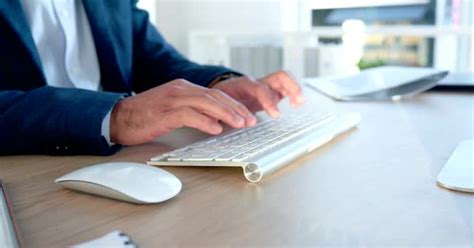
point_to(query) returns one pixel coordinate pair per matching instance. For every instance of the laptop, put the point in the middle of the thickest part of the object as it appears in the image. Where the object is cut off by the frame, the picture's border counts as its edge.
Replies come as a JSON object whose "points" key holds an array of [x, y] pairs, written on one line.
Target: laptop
{"points": [[380, 83]]}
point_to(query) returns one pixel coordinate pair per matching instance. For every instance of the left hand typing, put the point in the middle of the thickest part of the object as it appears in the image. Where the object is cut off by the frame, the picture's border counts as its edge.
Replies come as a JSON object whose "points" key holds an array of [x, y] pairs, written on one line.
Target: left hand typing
{"points": [[264, 93]]}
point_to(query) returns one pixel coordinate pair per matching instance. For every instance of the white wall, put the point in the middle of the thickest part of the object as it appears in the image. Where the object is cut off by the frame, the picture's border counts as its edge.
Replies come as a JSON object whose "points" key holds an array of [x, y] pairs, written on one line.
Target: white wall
{"points": [[177, 18]]}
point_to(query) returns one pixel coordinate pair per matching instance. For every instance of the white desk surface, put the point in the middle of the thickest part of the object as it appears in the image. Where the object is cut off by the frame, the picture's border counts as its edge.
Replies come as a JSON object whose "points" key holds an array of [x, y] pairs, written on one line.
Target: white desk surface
{"points": [[375, 186]]}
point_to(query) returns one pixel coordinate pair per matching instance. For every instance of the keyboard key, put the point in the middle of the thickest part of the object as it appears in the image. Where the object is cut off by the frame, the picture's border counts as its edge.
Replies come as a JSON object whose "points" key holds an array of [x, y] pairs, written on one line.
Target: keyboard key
{"points": [[242, 144]]}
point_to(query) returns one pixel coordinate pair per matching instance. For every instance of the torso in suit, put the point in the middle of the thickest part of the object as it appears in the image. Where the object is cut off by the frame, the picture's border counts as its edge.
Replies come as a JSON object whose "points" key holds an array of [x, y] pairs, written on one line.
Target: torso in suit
{"points": [[132, 55]]}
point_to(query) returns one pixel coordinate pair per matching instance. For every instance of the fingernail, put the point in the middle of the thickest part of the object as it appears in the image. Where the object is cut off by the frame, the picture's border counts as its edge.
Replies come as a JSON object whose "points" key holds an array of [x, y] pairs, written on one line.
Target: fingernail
{"points": [[274, 113], [216, 128], [239, 121], [251, 120], [300, 99]]}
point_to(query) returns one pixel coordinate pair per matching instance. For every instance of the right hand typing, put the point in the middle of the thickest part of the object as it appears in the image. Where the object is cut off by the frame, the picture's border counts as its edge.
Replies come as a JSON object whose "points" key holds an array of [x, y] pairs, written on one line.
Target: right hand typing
{"points": [[141, 118]]}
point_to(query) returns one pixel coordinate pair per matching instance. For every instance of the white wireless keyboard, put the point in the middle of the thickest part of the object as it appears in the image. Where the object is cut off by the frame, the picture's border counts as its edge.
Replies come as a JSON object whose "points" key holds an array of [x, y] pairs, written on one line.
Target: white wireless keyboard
{"points": [[264, 148]]}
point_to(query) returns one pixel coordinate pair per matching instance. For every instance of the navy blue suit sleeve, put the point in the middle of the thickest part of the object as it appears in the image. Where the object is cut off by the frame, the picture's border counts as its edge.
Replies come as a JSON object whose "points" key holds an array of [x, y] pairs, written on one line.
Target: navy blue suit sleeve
{"points": [[55, 121], [157, 62]]}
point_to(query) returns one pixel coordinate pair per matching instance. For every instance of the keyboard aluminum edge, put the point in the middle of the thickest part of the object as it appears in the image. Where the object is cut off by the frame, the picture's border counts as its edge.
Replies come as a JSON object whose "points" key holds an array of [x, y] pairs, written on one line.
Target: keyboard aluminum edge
{"points": [[274, 159]]}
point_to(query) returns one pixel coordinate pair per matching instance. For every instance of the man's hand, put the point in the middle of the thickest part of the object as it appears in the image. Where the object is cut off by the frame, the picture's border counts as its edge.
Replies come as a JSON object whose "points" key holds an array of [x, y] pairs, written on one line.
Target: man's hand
{"points": [[143, 117], [264, 93]]}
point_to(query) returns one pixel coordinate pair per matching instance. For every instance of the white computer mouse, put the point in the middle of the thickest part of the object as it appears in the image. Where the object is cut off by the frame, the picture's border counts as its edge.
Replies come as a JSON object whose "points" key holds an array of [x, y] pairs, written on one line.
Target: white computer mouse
{"points": [[126, 181]]}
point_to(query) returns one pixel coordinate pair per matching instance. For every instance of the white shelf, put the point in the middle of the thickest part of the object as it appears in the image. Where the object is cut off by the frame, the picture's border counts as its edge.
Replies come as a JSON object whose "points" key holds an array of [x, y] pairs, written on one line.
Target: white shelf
{"points": [[335, 32], [400, 30], [335, 4]]}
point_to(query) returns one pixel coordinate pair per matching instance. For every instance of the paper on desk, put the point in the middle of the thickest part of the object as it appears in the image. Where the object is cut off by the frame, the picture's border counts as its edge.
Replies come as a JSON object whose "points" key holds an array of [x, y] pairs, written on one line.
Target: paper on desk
{"points": [[114, 239], [7, 233]]}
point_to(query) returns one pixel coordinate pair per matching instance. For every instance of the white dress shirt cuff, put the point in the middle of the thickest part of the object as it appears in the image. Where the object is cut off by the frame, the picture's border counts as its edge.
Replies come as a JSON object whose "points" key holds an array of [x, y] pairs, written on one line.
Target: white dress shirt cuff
{"points": [[106, 128]]}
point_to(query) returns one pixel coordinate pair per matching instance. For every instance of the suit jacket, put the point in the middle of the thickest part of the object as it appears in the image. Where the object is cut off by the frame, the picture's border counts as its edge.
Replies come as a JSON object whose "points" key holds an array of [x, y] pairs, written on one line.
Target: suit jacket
{"points": [[133, 57]]}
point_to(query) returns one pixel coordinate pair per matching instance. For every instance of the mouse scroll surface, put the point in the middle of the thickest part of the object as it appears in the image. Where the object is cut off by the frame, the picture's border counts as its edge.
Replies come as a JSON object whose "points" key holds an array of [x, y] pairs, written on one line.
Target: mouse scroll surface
{"points": [[132, 182]]}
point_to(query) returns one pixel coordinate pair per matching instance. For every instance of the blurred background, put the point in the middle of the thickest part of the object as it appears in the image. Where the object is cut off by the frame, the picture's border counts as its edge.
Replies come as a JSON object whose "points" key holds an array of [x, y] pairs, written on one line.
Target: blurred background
{"points": [[319, 37]]}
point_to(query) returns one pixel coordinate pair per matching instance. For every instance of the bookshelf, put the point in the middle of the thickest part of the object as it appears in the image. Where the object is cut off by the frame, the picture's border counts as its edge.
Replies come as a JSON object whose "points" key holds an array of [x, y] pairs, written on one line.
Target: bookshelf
{"points": [[216, 47], [439, 40]]}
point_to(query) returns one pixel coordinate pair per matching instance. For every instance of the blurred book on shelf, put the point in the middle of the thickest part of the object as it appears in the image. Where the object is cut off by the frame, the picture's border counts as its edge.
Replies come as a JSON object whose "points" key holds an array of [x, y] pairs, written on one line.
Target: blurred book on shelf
{"points": [[396, 50]]}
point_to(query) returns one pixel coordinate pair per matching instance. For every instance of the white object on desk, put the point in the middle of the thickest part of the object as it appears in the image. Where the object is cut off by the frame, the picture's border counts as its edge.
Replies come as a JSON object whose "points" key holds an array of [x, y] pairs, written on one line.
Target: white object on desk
{"points": [[458, 173], [380, 83], [8, 235], [126, 181], [114, 239]]}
